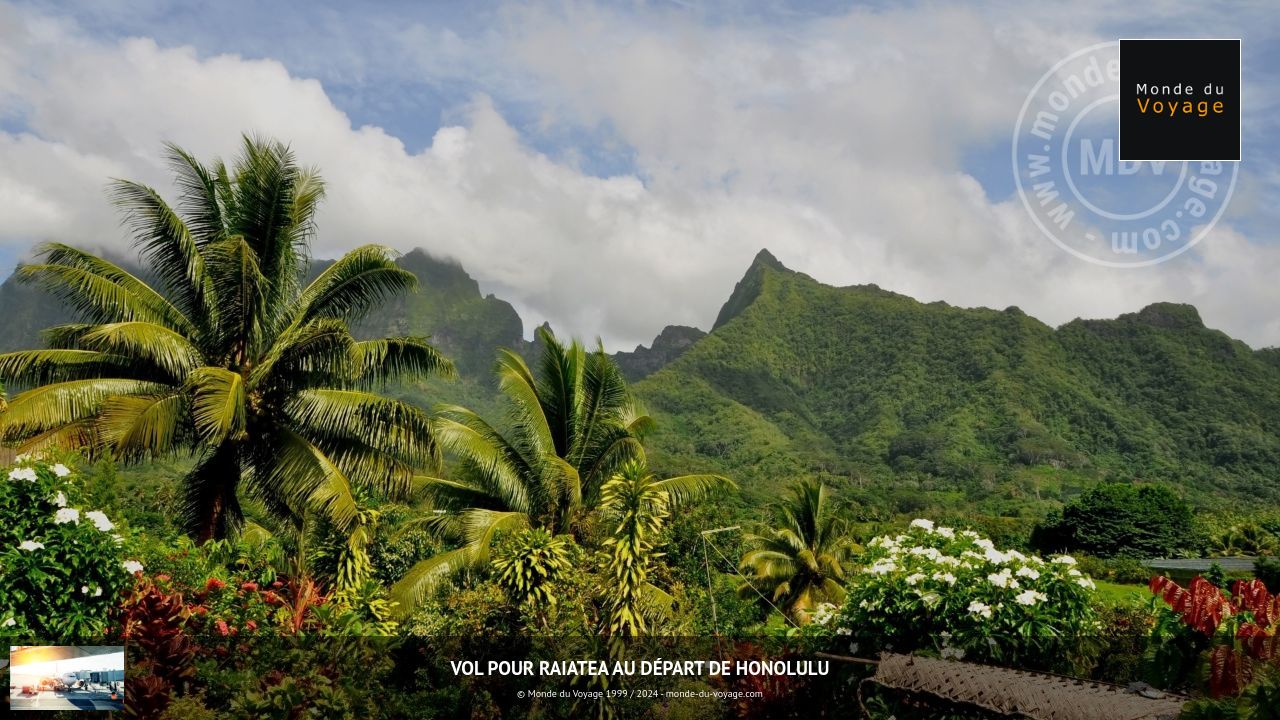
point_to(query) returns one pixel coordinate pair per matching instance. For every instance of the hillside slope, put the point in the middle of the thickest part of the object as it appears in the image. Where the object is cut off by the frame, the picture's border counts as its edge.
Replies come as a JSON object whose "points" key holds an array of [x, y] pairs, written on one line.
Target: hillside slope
{"points": [[868, 386]]}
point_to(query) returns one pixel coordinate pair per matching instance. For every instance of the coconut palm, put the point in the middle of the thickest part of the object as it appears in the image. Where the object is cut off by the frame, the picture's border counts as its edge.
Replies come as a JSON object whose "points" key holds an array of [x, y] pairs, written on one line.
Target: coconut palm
{"points": [[800, 563], [568, 429], [226, 353]]}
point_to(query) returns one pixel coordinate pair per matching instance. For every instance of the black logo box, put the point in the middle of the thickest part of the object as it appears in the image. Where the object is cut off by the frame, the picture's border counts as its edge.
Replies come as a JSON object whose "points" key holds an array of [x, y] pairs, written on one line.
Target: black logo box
{"points": [[1187, 67]]}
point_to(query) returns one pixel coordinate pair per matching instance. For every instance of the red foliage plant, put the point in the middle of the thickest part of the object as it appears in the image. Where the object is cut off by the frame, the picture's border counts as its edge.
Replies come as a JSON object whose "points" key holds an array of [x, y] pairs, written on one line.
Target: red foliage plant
{"points": [[1204, 607], [1201, 605]]}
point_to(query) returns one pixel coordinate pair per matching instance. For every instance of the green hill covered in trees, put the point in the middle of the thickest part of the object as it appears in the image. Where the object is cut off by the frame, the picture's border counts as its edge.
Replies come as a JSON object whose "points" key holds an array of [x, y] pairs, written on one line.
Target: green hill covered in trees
{"points": [[901, 404], [912, 404]]}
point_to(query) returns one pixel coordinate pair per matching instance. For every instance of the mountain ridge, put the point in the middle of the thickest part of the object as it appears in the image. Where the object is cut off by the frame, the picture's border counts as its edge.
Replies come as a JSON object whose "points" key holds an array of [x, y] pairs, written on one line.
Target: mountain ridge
{"points": [[871, 388]]}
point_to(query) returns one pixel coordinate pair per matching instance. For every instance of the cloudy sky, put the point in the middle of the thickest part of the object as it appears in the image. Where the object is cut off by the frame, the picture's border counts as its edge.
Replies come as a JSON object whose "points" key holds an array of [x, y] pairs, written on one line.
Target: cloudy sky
{"points": [[613, 167]]}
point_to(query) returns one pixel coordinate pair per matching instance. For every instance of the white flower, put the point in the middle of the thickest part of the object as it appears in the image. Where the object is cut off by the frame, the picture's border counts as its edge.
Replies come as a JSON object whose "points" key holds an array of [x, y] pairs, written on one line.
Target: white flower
{"points": [[97, 592], [99, 520], [61, 470], [23, 473], [946, 532], [117, 538], [969, 534], [1086, 583], [1030, 597], [949, 653], [60, 500], [995, 557], [931, 598], [926, 525], [882, 567], [915, 578], [10, 622], [131, 566], [844, 631], [980, 608], [1015, 555], [1027, 572], [985, 544], [84, 589], [1003, 579], [1065, 560], [1074, 572], [945, 577], [823, 614], [22, 458], [66, 515], [31, 545]]}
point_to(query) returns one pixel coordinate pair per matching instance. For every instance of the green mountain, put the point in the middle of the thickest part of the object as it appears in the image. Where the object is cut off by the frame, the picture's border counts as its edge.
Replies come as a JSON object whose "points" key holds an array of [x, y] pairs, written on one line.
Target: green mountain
{"points": [[903, 404], [670, 344], [911, 404]]}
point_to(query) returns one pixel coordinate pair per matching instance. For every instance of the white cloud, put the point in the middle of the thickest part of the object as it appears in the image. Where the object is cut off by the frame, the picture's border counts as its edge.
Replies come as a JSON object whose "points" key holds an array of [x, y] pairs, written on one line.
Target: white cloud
{"points": [[837, 144]]}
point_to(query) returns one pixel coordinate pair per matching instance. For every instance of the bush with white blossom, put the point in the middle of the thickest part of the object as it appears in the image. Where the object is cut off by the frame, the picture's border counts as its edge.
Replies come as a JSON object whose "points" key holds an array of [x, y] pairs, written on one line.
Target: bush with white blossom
{"points": [[952, 591], [62, 568]]}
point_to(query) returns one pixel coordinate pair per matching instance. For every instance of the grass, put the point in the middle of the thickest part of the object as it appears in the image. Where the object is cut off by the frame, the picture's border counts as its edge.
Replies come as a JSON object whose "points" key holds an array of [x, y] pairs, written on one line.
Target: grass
{"points": [[1120, 594]]}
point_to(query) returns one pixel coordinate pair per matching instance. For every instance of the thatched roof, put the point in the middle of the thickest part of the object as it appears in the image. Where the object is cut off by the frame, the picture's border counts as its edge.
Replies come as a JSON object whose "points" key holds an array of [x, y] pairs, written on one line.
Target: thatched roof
{"points": [[1021, 694]]}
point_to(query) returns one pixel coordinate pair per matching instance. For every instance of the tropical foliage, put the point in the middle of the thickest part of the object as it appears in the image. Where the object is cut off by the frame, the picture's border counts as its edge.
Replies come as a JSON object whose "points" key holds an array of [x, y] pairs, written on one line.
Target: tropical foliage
{"points": [[568, 429], [226, 353], [1235, 634], [801, 562]]}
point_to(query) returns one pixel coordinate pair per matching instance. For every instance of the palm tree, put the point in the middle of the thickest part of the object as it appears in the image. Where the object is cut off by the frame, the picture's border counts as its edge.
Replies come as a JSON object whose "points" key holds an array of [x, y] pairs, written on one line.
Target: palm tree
{"points": [[229, 356], [800, 563], [568, 430]]}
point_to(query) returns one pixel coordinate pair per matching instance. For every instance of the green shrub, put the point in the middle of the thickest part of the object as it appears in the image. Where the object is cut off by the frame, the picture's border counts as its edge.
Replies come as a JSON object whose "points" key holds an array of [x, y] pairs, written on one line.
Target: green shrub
{"points": [[62, 568], [934, 588]]}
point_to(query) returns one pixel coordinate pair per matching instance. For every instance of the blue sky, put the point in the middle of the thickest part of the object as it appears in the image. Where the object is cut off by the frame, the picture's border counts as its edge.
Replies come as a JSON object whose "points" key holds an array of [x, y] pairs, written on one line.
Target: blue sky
{"points": [[574, 156]]}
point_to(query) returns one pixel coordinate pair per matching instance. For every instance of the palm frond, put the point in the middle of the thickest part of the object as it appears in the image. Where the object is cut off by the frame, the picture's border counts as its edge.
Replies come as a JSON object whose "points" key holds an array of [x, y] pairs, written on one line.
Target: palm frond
{"points": [[144, 343], [144, 303], [167, 248], [41, 367], [358, 281], [428, 575], [378, 362], [141, 427], [393, 427], [52, 406], [218, 403], [685, 489]]}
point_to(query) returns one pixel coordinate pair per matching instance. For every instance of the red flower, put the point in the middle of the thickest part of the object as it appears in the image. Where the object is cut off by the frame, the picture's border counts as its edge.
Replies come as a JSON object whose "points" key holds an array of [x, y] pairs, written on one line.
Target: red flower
{"points": [[214, 584], [162, 577], [277, 584], [251, 625], [199, 609], [221, 625], [249, 587]]}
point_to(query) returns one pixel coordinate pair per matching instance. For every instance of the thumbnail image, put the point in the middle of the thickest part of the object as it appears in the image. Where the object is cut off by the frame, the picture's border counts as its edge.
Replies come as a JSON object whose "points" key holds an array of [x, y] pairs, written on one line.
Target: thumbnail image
{"points": [[66, 677]]}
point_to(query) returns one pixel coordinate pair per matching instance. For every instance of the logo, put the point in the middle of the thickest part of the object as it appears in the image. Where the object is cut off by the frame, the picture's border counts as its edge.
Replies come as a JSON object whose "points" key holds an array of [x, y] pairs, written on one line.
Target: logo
{"points": [[1082, 196]]}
